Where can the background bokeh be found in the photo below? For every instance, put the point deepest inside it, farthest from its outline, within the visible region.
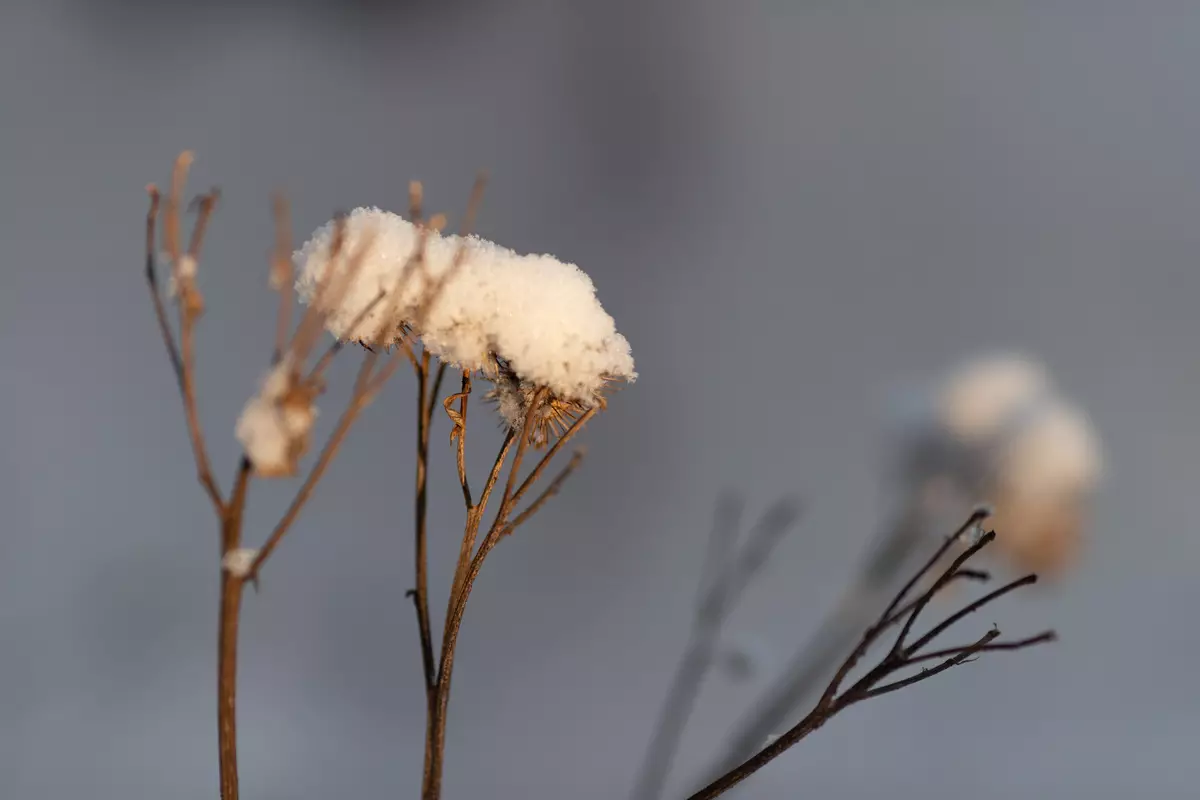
(789, 207)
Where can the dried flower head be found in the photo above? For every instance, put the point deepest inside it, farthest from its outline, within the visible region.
(513, 396)
(538, 314)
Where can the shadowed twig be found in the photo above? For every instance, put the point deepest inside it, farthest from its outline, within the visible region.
(727, 573)
(885, 677)
(810, 668)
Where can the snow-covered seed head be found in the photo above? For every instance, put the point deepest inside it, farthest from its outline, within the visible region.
(276, 423)
(470, 302)
(513, 398)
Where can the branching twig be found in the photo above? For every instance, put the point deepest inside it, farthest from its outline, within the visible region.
(470, 566)
(727, 573)
(810, 669)
(182, 355)
(898, 659)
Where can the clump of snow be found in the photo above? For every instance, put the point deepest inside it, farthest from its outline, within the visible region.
(238, 562)
(539, 314)
(183, 276)
(275, 424)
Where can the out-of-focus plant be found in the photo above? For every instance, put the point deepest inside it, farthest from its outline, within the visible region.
(994, 429)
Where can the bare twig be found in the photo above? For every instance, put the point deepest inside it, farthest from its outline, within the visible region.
(227, 637)
(425, 401)
(536, 474)
(471, 529)
(181, 351)
(898, 659)
(810, 669)
(281, 273)
(182, 355)
(459, 432)
(359, 400)
(500, 526)
(546, 494)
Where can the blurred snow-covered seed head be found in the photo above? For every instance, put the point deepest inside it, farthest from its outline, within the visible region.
(998, 431)
(1045, 475)
(977, 399)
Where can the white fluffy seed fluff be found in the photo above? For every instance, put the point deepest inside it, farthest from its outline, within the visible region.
(238, 562)
(271, 429)
(541, 315)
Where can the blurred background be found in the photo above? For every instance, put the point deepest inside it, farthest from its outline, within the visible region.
(790, 208)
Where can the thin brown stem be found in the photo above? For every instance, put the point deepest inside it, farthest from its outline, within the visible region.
(421, 558)
(188, 313)
(977, 516)
(952, 661)
(281, 273)
(550, 491)
(205, 204)
(471, 529)
(433, 783)
(991, 647)
(160, 309)
(941, 627)
(534, 476)
(420, 591)
(362, 396)
(460, 435)
(227, 638)
(182, 356)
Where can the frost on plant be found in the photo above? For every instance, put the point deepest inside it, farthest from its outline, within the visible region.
(524, 321)
(238, 562)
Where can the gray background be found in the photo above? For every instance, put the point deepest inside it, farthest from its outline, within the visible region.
(788, 207)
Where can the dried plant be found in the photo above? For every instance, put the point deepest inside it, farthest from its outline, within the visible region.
(358, 284)
(532, 327)
(889, 673)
